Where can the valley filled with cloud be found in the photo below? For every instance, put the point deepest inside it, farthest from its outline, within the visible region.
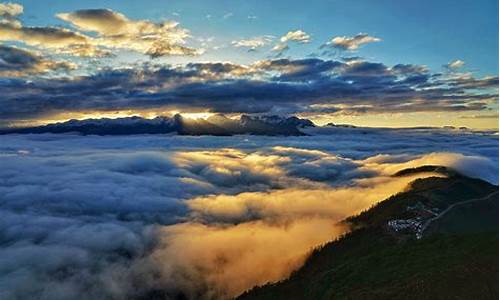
(107, 217)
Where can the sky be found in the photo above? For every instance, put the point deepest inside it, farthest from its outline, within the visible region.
(383, 63)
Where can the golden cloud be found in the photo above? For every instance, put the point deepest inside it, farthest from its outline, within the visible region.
(296, 36)
(352, 43)
(55, 38)
(17, 62)
(115, 30)
(221, 262)
(236, 241)
(10, 10)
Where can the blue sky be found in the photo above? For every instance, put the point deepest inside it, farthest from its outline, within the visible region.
(419, 32)
(369, 63)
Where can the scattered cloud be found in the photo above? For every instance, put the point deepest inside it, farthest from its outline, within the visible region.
(253, 43)
(280, 49)
(296, 36)
(227, 15)
(352, 43)
(455, 65)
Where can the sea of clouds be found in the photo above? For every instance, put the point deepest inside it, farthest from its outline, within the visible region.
(138, 217)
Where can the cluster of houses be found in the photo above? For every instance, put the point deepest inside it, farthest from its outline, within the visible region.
(415, 224)
(408, 224)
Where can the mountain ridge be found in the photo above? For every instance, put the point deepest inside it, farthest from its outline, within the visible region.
(387, 256)
(218, 125)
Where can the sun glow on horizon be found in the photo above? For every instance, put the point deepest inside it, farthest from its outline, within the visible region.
(470, 120)
(147, 114)
(193, 115)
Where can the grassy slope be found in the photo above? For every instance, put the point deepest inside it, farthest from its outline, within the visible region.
(450, 262)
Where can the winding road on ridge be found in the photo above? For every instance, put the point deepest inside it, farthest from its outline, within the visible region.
(428, 222)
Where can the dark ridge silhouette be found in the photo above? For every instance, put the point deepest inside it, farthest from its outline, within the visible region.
(425, 169)
(218, 125)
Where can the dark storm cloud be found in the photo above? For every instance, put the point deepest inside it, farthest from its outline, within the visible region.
(299, 70)
(283, 84)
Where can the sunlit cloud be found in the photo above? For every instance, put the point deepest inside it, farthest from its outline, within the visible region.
(17, 62)
(472, 166)
(224, 261)
(296, 36)
(115, 30)
(55, 38)
(10, 10)
(455, 64)
(253, 43)
(352, 43)
(294, 203)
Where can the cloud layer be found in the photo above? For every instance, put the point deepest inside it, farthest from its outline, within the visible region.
(137, 216)
(277, 86)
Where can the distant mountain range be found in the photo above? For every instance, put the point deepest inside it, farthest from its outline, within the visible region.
(436, 240)
(218, 124)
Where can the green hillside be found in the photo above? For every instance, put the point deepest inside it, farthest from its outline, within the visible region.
(451, 252)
